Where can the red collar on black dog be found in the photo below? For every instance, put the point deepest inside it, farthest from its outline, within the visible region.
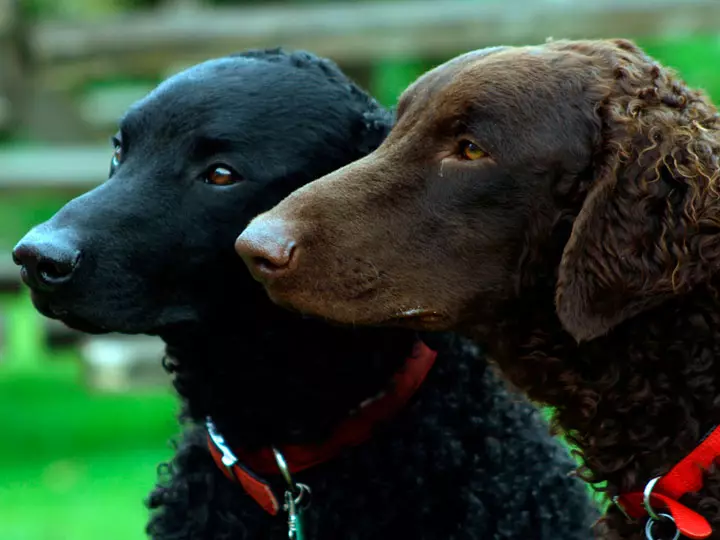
(665, 491)
(357, 428)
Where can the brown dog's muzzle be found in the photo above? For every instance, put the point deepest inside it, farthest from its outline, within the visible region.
(268, 248)
(329, 250)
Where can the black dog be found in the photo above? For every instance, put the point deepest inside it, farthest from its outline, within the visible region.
(151, 251)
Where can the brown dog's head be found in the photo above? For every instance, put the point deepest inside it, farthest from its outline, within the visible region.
(586, 159)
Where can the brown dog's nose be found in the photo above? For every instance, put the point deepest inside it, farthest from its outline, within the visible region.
(267, 247)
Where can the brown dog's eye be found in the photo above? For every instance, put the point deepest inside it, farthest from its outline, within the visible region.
(116, 156)
(471, 151)
(219, 175)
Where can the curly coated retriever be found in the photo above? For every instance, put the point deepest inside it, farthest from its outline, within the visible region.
(151, 251)
(560, 204)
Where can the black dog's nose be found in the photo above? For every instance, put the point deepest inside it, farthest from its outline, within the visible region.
(45, 265)
(267, 247)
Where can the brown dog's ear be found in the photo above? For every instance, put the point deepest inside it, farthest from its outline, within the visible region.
(649, 228)
(617, 262)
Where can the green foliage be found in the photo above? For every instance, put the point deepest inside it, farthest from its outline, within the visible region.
(696, 59)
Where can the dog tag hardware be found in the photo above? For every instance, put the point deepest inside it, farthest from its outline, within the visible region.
(297, 498)
(295, 525)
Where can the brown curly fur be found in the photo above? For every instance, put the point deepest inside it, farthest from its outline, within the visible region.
(655, 193)
(582, 250)
(642, 251)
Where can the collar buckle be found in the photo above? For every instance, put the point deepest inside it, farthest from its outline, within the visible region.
(228, 457)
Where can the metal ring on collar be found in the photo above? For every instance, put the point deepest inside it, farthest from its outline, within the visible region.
(646, 498)
(651, 522)
(304, 494)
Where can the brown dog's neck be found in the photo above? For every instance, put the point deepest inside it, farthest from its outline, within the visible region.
(634, 402)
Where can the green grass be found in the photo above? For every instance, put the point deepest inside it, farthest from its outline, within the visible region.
(89, 496)
(75, 465)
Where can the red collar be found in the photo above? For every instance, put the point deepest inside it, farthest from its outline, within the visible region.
(664, 492)
(356, 429)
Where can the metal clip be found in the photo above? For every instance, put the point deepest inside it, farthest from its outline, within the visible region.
(297, 498)
(295, 531)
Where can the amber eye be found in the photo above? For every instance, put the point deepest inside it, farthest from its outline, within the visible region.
(471, 151)
(116, 156)
(219, 175)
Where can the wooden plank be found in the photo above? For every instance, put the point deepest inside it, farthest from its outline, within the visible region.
(73, 167)
(352, 31)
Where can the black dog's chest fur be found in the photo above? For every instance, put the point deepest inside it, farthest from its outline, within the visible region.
(465, 460)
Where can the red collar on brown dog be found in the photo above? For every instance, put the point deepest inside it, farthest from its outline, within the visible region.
(665, 491)
(245, 467)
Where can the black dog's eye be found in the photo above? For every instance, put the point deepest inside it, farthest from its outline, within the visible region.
(116, 156)
(220, 175)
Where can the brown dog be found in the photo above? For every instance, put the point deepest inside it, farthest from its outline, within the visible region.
(560, 204)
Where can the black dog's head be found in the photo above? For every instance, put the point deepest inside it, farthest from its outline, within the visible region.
(151, 249)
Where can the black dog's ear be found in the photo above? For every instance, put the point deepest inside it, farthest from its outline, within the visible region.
(377, 123)
(649, 228)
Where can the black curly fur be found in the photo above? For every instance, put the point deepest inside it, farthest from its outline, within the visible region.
(466, 460)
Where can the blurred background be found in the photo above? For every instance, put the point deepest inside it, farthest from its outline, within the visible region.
(84, 422)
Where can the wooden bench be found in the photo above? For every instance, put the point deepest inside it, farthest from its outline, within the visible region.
(63, 56)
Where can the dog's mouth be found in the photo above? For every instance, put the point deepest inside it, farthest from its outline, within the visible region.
(414, 318)
(46, 308)
(419, 318)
